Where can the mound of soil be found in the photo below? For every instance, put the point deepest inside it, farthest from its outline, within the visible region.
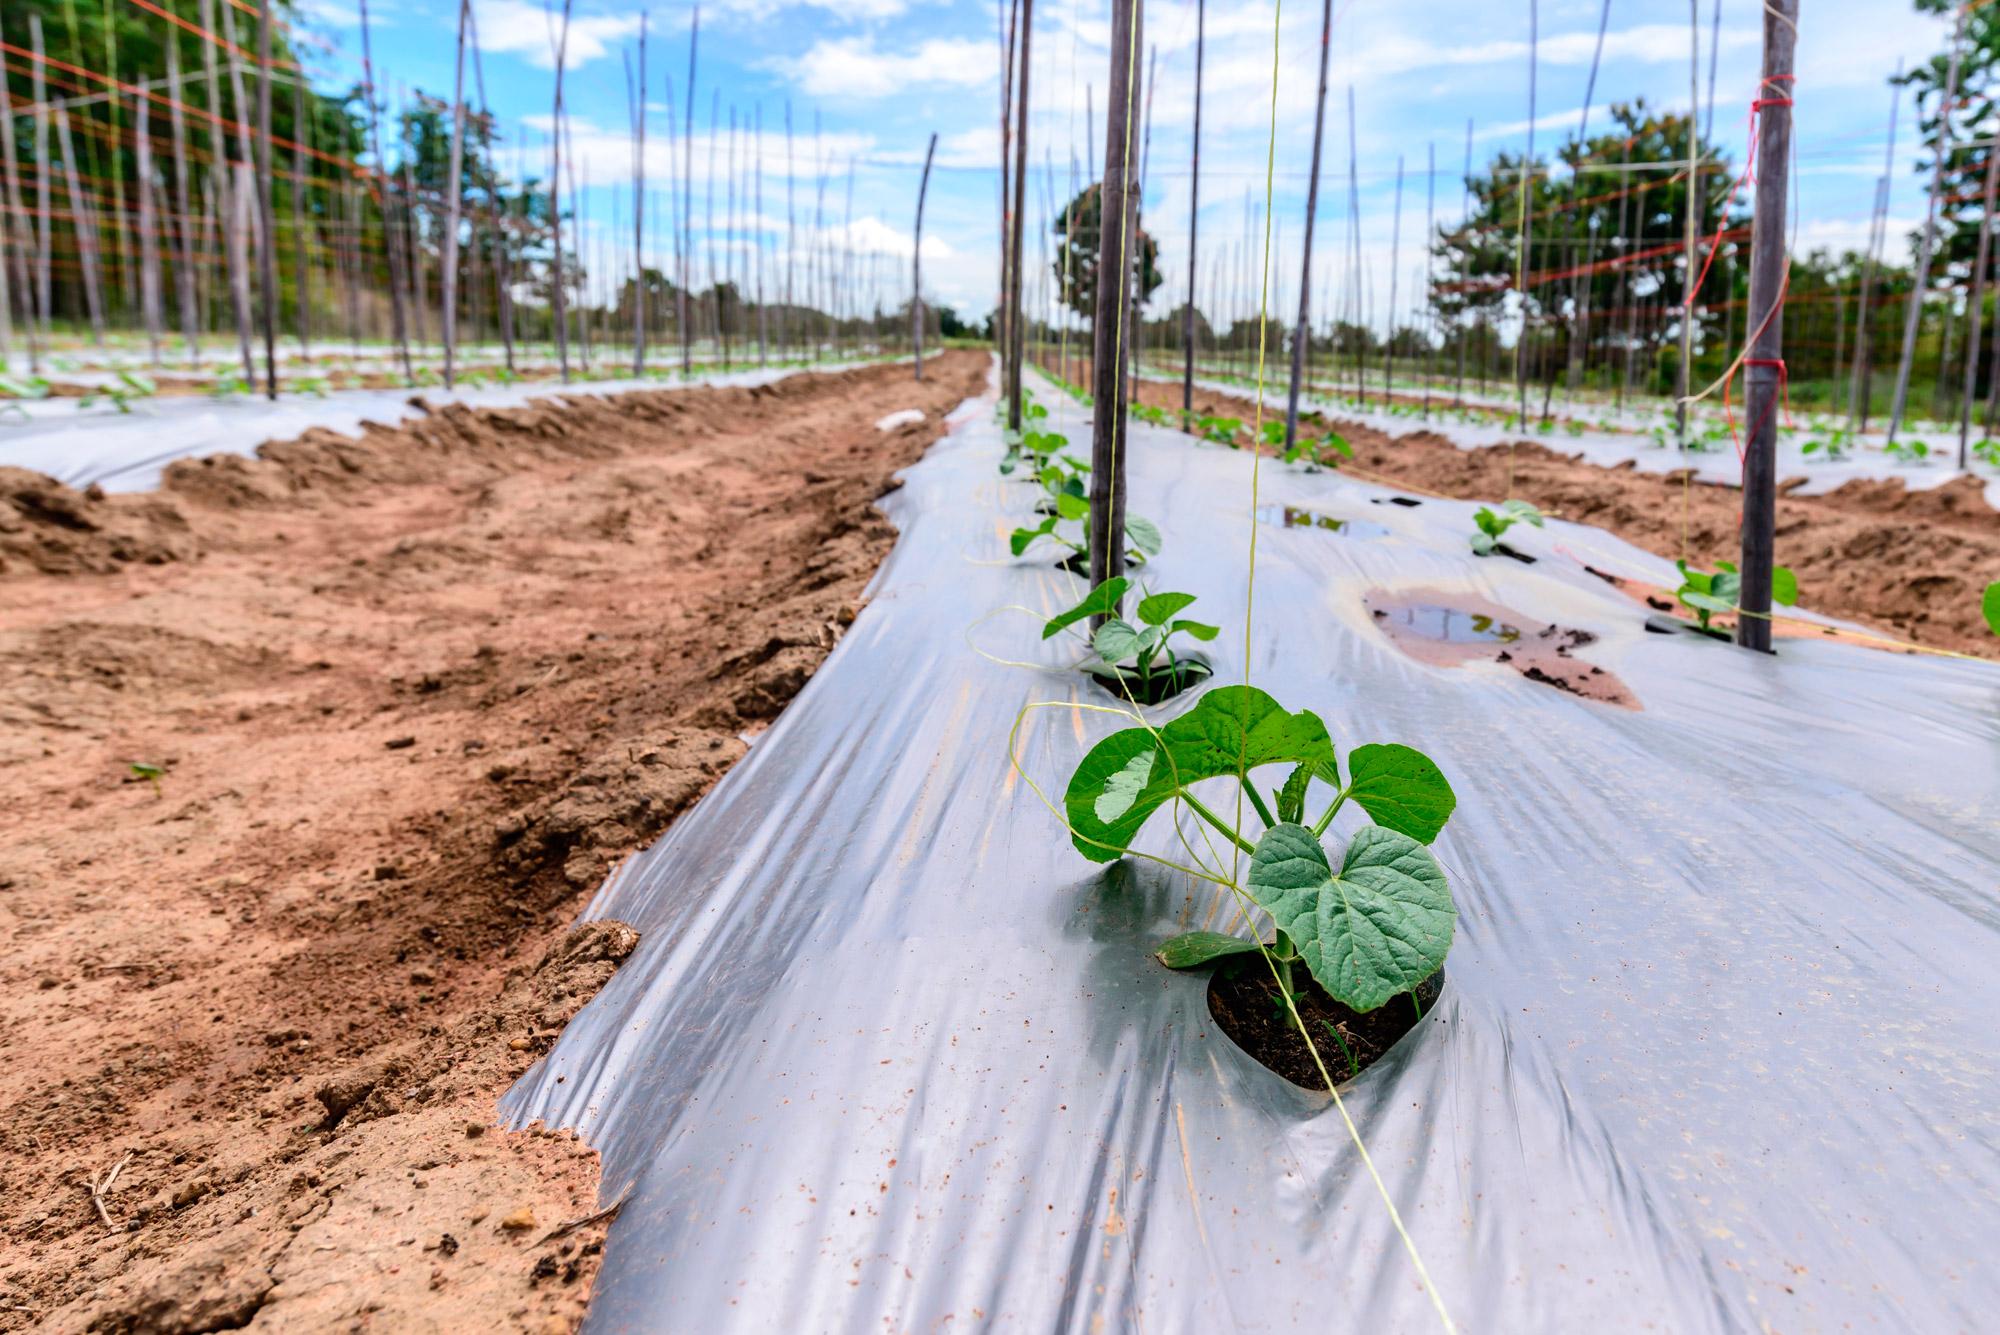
(51, 529)
(415, 697)
(1244, 1000)
(1911, 564)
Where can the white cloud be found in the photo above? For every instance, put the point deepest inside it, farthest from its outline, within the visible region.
(853, 67)
(529, 31)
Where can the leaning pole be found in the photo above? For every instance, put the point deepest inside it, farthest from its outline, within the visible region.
(1765, 365)
(1114, 258)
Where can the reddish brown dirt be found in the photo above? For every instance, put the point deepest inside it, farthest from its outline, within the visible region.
(1909, 564)
(403, 700)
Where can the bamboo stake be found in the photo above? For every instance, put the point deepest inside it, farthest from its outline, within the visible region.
(1765, 367)
(1003, 310)
(1465, 256)
(1019, 184)
(1927, 239)
(23, 234)
(149, 245)
(561, 308)
(1302, 332)
(502, 261)
(455, 170)
(44, 210)
(763, 320)
(791, 237)
(686, 259)
(1430, 276)
(1395, 263)
(917, 267)
(301, 251)
(638, 100)
(1108, 436)
(398, 315)
(1527, 216)
(1975, 314)
(1194, 211)
(83, 222)
(267, 238)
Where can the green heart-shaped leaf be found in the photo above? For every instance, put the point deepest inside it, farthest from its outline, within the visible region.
(1199, 629)
(1117, 640)
(1100, 601)
(1373, 930)
(1160, 608)
(1143, 534)
(1401, 789)
(1228, 727)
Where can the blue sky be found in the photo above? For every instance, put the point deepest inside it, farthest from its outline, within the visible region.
(882, 74)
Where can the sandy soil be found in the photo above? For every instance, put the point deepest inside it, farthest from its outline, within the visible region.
(398, 703)
(1909, 564)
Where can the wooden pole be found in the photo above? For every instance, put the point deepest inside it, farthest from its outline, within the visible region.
(1194, 212)
(452, 201)
(384, 183)
(687, 199)
(267, 224)
(638, 97)
(1302, 331)
(757, 156)
(84, 224)
(1765, 366)
(1430, 276)
(1395, 263)
(503, 277)
(1691, 210)
(149, 244)
(44, 206)
(560, 305)
(301, 251)
(1975, 316)
(1527, 216)
(1018, 213)
(23, 234)
(917, 267)
(1114, 258)
(1003, 342)
(1920, 278)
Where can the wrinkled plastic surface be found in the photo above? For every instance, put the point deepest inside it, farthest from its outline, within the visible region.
(1629, 440)
(130, 451)
(1716, 1051)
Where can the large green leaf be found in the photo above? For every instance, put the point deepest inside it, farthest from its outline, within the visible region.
(1228, 726)
(1100, 601)
(1191, 950)
(1143, 534)
(1399, 787)
(1116, 641)
(1072, 507)
(1160, 607)
(1369, 932)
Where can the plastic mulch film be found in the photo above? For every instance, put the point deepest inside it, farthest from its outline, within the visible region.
(1716, 1049)
(130, 451)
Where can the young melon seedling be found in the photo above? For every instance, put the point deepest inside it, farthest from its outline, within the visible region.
(128, 389)
(1142, 536)
(1907, 451)
(1707, 594)
(1369, 926)
(1326, 452)
(1492, 524)
(1118, 642)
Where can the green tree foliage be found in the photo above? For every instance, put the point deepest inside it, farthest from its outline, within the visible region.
(1581, 245)
(1078, 229)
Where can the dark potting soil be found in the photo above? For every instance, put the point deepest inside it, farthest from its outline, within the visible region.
(1164, 684)
(1243, 998)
